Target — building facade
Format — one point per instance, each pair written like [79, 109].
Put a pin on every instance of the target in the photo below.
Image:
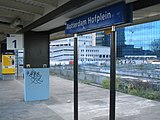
[141, 39]
[104, 40]
[62, 51]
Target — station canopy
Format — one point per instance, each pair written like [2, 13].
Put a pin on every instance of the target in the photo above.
[18, 16]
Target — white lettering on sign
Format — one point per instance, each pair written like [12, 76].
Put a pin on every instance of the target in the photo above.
[77, 24]
[90, 20]
[98, 18]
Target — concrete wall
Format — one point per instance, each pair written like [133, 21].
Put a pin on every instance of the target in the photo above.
[98, 78]
[82, 76]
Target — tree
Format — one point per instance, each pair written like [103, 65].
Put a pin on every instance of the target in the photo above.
[155, 47]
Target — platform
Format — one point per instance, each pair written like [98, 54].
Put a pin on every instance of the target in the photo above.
[93, 103]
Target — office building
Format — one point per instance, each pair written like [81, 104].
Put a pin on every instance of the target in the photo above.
[62, 51]
[141, 39]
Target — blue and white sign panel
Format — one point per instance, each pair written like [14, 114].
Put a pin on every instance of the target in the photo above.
[15, 42]
[105, 17]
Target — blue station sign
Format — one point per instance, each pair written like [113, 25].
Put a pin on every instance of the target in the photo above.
[104, 17]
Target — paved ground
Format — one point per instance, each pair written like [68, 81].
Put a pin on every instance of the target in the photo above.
[93, 103]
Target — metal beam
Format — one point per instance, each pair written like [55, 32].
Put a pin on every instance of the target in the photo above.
[59, 35]
[61, 28]
[14, 14]
[147, 19]
[65, 8]
[6, 19]
[19, 6]
[5, 27]
[48, 2]
[140, 4]
[5, 23]
[10, 22]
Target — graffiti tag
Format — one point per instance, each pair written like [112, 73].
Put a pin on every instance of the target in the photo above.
[35, 77]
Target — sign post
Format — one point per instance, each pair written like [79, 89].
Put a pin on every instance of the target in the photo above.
[15, 42]
[109, 16]
[75, 77]
[112, 75]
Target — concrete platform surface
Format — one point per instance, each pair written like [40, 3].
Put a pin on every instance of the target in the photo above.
[93, 103]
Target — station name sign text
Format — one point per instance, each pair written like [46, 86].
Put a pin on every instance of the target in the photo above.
[104, 17]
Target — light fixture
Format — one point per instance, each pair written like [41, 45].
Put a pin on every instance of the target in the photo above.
[15, 23]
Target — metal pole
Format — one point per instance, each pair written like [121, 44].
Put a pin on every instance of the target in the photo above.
[75, 78]
[17, 64]
[112, 75]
